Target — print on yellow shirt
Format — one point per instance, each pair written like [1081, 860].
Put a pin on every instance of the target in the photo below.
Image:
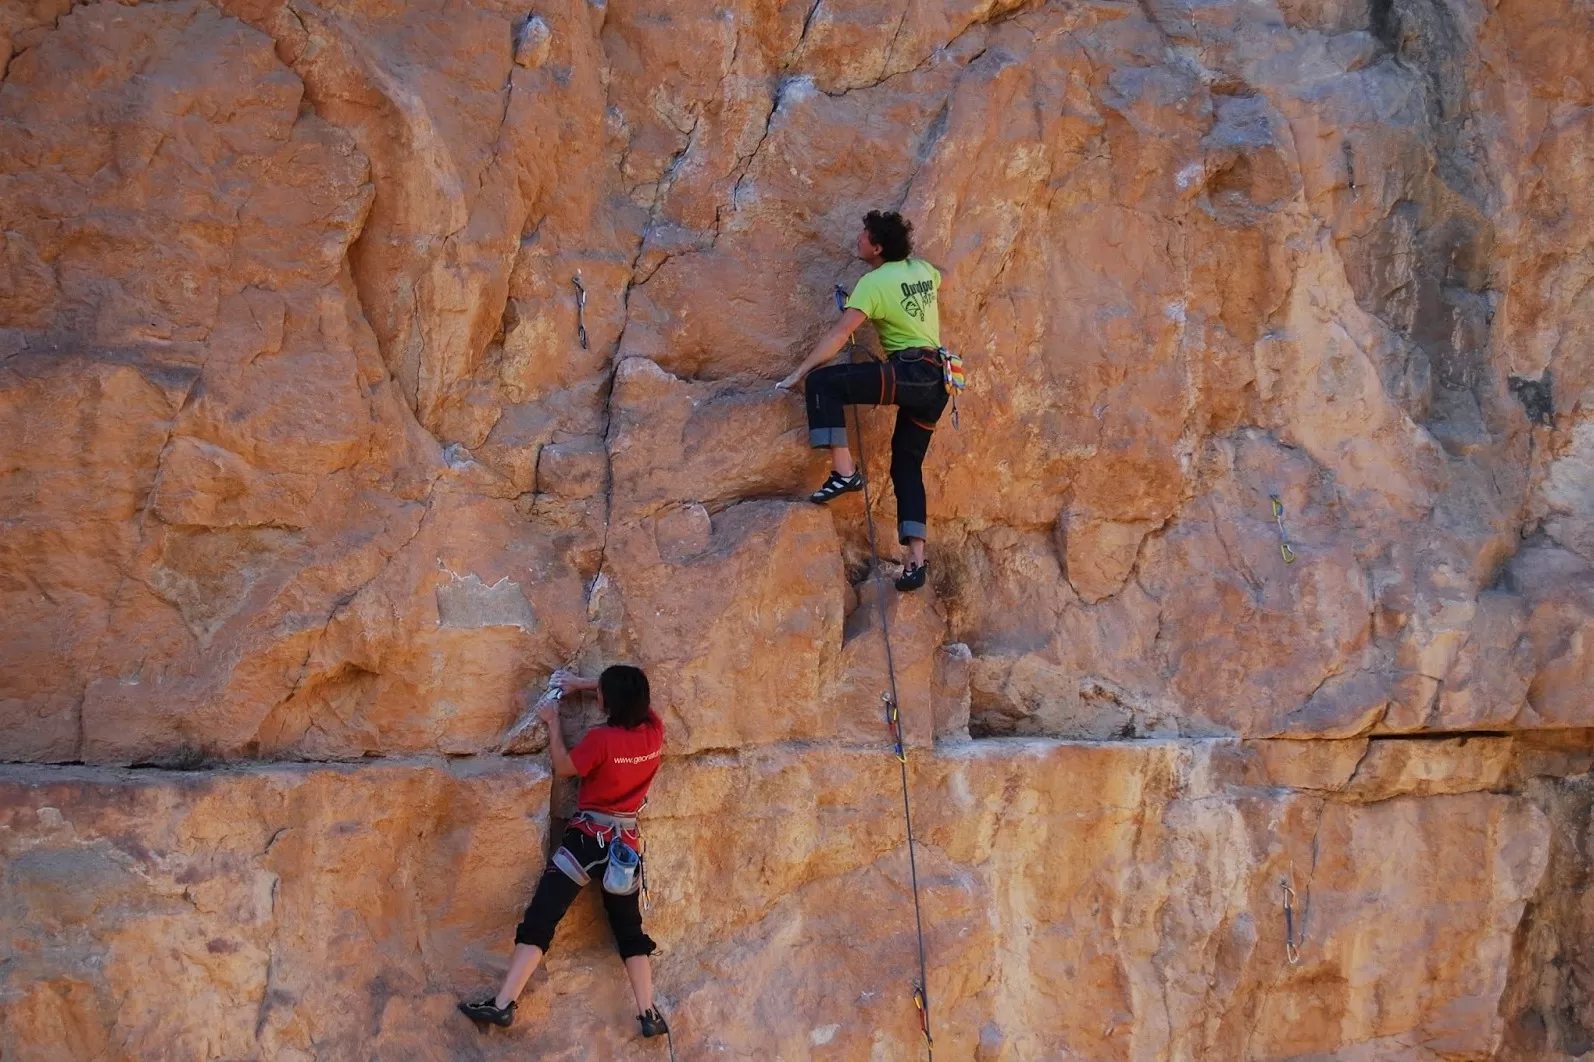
[900, 298]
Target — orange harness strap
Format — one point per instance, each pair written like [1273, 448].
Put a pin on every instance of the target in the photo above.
[888, 384]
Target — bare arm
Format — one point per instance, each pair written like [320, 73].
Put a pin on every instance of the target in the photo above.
[563, 765]
[827, 347]
[570, 682]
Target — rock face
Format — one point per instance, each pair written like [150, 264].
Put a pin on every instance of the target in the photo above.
[1117, 900]
[308, 479]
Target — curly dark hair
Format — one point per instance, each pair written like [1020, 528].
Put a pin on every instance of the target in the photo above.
[625, 695]
[890, 233]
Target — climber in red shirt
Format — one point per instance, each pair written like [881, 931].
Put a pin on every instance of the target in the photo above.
[616, 764]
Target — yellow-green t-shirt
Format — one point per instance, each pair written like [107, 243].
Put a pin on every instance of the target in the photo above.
[899, 298]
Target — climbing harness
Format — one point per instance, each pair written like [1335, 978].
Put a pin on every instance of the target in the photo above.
[921, 998]
[1285, 549]
[953, 380]
[581, 310]
[1292, 953]
[571, 867]
[615, 834]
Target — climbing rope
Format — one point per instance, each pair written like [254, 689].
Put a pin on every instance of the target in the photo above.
[921, 998]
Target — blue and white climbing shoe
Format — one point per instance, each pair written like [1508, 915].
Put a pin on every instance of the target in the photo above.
[836, 486]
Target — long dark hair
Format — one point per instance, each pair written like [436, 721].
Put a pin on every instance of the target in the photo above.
[625, 695]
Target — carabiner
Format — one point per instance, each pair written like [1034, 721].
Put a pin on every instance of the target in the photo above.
[923, 1005]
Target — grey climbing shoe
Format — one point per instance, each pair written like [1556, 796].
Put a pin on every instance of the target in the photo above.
[652, 1022]
[489, 1012]
[913, 576]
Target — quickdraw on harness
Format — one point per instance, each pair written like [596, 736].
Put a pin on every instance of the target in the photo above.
[921, 998]
[952, 376]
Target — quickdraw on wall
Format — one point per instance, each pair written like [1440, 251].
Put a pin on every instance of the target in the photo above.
[581, 310]
[1292, 950]
[894, 725]
[1285, 549]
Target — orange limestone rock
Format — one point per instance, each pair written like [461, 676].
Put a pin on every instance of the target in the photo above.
[308, 484]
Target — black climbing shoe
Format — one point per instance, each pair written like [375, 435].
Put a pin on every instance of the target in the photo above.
[913, 576]
[489, 1011]
[652, 1022]
[836, 486]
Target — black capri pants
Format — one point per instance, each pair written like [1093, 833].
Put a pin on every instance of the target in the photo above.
[556, 892]
[912, 384]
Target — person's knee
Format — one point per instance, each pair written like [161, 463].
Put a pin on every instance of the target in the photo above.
[909, 446]
[553, 897]
[625, 921]
[536, 931]
[634, 943]
[907, 468]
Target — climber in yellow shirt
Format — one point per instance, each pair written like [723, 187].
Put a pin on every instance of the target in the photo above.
[899, 294]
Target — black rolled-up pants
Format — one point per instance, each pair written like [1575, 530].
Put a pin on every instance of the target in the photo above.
[915, 387]
[556, 892]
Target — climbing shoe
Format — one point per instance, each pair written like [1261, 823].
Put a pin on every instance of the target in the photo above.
[652, 1022]
[489, 1012]
[836, 486]
[913, 576]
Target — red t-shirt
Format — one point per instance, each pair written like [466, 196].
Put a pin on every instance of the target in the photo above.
[617, 765]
